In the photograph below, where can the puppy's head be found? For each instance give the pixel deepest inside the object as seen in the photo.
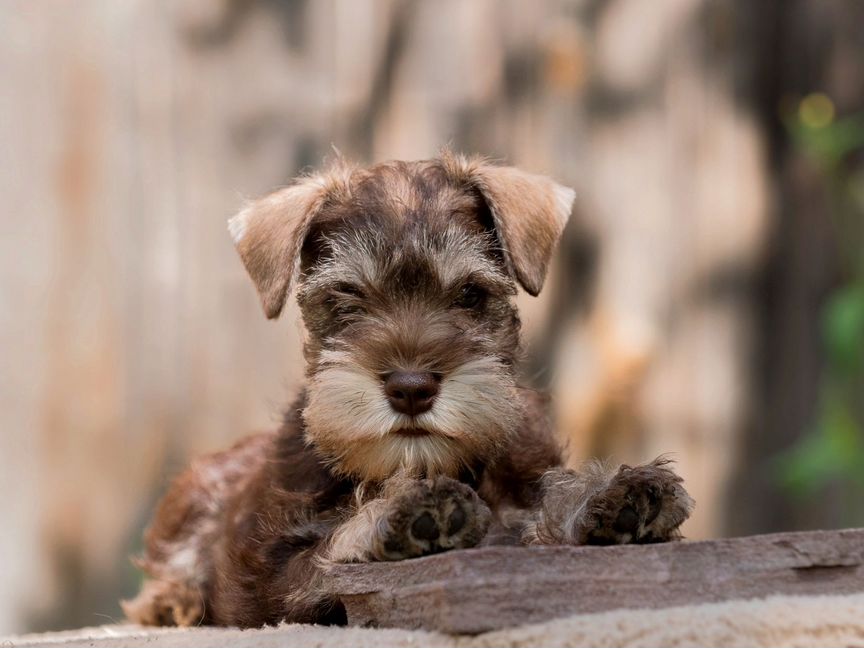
(406, 273)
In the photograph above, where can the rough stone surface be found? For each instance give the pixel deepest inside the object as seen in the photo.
(776, 622)
(691, 594)
(478, 590)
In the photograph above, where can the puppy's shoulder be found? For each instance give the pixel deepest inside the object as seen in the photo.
(532, 450)
(295, 466)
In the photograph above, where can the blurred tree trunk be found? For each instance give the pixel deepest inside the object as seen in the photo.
(675, 189)
(803, 47)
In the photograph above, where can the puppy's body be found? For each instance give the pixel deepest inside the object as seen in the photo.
(412, 435)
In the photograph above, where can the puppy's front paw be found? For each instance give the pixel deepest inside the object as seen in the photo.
(639, 505)
(431, 515)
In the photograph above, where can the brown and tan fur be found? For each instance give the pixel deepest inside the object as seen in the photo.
(401, 267)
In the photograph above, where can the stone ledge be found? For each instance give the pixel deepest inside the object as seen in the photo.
(776, 622)
(681, 594)
(478, 590)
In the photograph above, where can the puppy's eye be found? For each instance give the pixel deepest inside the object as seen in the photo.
(346, 299)
(348, 290)
(471, 296)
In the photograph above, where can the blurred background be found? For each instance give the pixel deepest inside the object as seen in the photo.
(708, 298)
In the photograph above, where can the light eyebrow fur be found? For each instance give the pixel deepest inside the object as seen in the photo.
(364, 258)
(459, 256)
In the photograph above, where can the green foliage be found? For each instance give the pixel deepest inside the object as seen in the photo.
(832, 143)
(832, 451)
(843, 329)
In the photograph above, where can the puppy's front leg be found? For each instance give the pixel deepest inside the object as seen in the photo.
(601, 505)
(410, 518)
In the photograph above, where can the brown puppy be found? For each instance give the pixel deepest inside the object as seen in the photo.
(412, 435)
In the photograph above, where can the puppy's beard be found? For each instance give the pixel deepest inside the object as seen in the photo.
(350, 422)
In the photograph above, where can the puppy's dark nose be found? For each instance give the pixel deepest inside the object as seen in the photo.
(411, 392)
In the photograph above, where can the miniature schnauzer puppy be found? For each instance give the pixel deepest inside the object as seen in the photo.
(412, 435)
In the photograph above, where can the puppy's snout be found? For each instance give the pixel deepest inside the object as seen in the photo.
(411, 392)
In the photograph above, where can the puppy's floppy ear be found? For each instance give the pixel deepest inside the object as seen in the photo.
(529, 213)
(269, 233)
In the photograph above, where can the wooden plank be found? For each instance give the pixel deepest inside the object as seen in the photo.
(477, 590)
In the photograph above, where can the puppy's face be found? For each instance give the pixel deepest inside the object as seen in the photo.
(412, 333)
(406, 281)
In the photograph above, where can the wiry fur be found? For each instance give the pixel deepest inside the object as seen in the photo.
(599, 504)
(477, 396)
(371, 533)
(401, 267)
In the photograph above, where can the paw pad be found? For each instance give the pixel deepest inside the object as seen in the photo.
(433, 515)
(644, 504)
(456, 520)
(627, 520)
(425, 527)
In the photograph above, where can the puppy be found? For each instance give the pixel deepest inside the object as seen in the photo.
(412, 435)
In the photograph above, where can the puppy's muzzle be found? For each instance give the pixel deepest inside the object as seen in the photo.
(411, 392)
